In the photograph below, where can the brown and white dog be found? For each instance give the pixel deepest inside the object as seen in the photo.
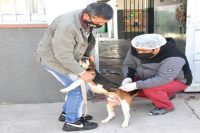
(115, 97)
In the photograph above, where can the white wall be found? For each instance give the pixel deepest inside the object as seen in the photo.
(193, 42)
(112, 24)
(55, 8)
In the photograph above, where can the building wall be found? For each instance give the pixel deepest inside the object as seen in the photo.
(167, 2)
(167, 16)
(55, 8)
(23, 80)
(36, 11)
(22, 11)
(193, 42)
(167, 22)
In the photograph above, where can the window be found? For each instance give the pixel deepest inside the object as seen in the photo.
(22, 11)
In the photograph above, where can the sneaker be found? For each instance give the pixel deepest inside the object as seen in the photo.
(160, 111)
(62, 117)
(86, 118)
(79, 125)
(83, 118)
(153, 105)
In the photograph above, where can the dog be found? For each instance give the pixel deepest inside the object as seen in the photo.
(90, 66)
(115, 96)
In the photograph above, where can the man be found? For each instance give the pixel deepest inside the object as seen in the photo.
(67, 40)
(158, 69)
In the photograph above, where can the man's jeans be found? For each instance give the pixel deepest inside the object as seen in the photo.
(74, 99)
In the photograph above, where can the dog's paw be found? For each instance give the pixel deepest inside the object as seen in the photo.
(105, 121)
(124, 124)
(63, 90)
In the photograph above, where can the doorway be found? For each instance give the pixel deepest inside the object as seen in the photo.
(135, 17)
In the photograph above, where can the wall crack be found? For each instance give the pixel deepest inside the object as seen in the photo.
(193, 110)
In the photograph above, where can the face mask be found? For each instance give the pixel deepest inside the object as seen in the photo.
(144, 56)
(93, 25)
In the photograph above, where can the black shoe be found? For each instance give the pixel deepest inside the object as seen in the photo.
(153, 105)
(62, 117)
(86, 118)
(79, 125)
(83, 118)
(160, 111)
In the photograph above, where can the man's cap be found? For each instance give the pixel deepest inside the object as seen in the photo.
(148, 41)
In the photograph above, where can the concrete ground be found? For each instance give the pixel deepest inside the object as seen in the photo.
(43, 118)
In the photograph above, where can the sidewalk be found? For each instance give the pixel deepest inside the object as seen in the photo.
(42, 118)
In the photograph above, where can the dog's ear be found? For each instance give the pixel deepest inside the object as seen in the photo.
(92, 64)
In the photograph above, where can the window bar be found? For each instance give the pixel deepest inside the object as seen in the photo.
(124, 15)
(142, 25)
(125, 18)
(134, 17)
(1, 12)
(147, 9)
(15, 9)
(29, 9)
(130, 17)
(138, 29)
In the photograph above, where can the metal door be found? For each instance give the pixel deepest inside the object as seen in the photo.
(137, 18)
